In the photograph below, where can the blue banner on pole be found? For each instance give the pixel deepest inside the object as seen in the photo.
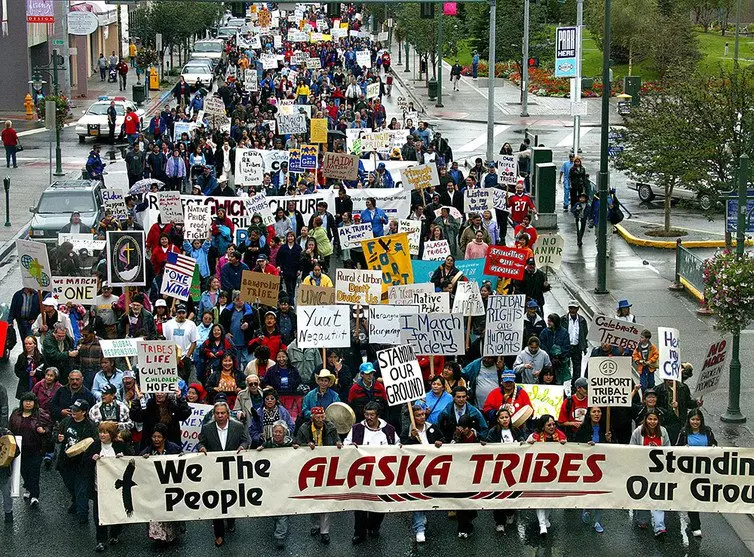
(473, 269)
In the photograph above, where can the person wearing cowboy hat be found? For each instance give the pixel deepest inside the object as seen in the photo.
(578, 330)
(623, 312)
(323, 395)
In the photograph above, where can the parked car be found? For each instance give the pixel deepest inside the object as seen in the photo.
(647, 192)
(199, 69)
(58, 202)
(93, 123)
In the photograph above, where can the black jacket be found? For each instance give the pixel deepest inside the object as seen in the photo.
(583, 329)
(683, 437)
(330, 435)
(433, 434)
(178, 409)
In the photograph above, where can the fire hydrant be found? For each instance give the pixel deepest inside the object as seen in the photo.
(29, 105)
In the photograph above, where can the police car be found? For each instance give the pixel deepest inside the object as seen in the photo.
(94, 121)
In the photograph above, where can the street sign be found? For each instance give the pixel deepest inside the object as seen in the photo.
(58, 42)
(566, 41)
(731, 218)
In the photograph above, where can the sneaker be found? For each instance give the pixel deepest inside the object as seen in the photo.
(598, 528)
(696, 533)
(420, 537)
(542, 530)
(500, 528)
(660, 533)
(99, 548)
(585, 517)
(463, 535)
(547, 522)
(325, 538)
(27, 495)
(34, 503)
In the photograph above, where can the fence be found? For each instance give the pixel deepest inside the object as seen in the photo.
(689, 274)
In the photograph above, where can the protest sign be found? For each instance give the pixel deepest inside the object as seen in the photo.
(364, 58)
(351, 236)
(340, 166)
(375, 141)
(608, 330)
(264, 18)
(170, 206)
(115, 200)
(610, 381)
(436, 250)
(499, 199)
(179, 128)
(269, 61)
(468, 299)
(670, 354)
(402, 103)
(413, 229)
(545, 399)
(81, 241)
(390, 255)
(504, 331)
(411, 115)
(309, 157)
(422, 295)
(373, 90)
(258, 204)
(507, 170)
(358, 286)
(434, 334)
(323, 326)
(119, 347)
(385, 322)
(713, 368)
(318, 133)
(294, 160)
(273, 159)
(401, 375)
(420, 176)
(505, 262)
(197, 221)
(76, 290)
(177, 277)
(191, 427)
(158, 366)
(477, 200)
(214, 106)
(260, 288)
(548, 251)
(472, 269)
(313, 63)
(126, 260)
(249, 169)
(312, 295)
(250, 81)
(36, 272)
(291, 123)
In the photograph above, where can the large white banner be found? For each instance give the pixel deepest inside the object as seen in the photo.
(456, 477)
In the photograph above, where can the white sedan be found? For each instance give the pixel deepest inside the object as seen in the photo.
(94, 121)
(198, 70)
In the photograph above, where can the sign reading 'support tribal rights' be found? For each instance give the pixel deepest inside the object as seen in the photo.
(380, 479)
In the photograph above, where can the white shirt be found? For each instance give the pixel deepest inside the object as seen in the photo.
(486, 382)
(371, 436)
(573, 330)
(423, 433)
(459, 413)
(107, 450)
(183, 334)
(222, 433)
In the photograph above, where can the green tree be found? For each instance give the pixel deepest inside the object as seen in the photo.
(631, 22)
(673, 47)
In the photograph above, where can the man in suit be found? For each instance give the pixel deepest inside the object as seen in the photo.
(223, 434)
(453, 197)
(577, 329)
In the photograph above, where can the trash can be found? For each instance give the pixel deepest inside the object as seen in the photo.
(632, 86)
(432, 89)
(138, 94)
(586, 83)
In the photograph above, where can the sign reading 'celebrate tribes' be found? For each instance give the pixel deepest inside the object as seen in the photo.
(608, 330)
(610, 382)
(289, 482)
(401, 375)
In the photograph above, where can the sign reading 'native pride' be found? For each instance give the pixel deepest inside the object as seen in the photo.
(610, 381)
(422, 295)
(504, 331)
(401, 375)
(197, 222)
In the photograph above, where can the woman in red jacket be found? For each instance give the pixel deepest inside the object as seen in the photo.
(160, 253)
(10, 141)
(269, 336)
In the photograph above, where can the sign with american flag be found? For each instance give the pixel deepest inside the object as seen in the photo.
(176, 280)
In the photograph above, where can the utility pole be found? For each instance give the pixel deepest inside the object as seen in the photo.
(576, 92)
(733, 413)
(120, 32)
(604, 175)
(491, 85)
(407, 45)
(439, 57)
(525, 66)
(58, 154)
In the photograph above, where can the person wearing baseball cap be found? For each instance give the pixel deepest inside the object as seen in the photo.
(111, 410)
(574, 409)
(76, 475)
(263, 265)
(366, 389)
(185, 334)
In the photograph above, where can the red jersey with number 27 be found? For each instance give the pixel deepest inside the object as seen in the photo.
(519, 205)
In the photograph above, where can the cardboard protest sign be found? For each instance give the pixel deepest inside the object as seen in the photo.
(119, 347)
(548, 251)
(258, 204)
(545, 399)
(197, 221)
(351, 236)
(364, 58)
(76, 290)
(115, 200)
(413, 229)
(436, 250)
(309, 157)
(468, 299)
(177, 277)
(385, 322)
(422, 295)
(323, 326)
(126, 260)
(249, 169)
(340, 166)
(250, 81)
(505, 262)
(477, 200)
(670, 354)
(291, 123)
(401, 375)
(609, 330)
(507, 170)
(390, 255)
(434, 333)
(420, 176)
(358, 286)
(158, 365)
(504, 331)
(294, 160)
(373, 90)
(318, 132)
(36, 272)
(312, 295)
(713, 368)
(191, 427)
(610, 381)
(170, 206)
(214, 106)
(81, 241)
(260, 288)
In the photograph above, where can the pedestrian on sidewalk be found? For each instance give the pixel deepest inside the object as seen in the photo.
(578, 330)
(122, 68)
(112, 116)
(102, 65)
(455, 75)
(475, 65)
(581, 212)
(646, 357)
(565, 179)
(10, 142)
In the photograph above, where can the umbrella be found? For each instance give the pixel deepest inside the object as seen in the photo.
(336, 133)
(143, 186)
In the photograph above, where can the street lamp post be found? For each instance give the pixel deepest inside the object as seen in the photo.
(604, 175)
(52, 69)
(407, 45)
(733, 413)
(439, 57)
(491, 84)
(525, 65)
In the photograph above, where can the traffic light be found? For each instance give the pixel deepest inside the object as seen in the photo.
(427, 10)
(533, 62)
(333, 11)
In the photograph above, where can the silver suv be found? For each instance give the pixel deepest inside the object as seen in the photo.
(59, 201)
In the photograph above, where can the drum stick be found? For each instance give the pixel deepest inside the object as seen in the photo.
(468, 333)
(607, 421)
(411, 416)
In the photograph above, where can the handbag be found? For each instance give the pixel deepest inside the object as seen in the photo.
(615, 216)
(19, 147)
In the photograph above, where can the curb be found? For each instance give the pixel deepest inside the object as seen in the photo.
(408, 90)
(668, 244)
(10, 245)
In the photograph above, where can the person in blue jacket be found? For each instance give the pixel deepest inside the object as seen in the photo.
(450, 416)
(199, 250)
(377, 217)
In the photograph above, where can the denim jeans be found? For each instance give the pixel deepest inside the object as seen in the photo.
(281, 527)
(10, 154)
(418, 521)
(77, 484)
(5, 490)
(658, 517)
